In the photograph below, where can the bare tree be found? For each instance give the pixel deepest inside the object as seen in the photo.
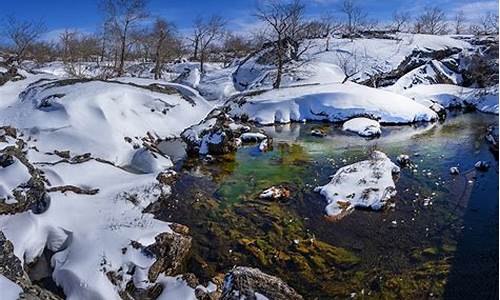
(163, 35)
(432, 21)
(489, 23)
(459, 22)
(355, 17)
(123, 16)
(348, 62)
(22, 34)
(284, 21)
(206, 32)
(400, 20)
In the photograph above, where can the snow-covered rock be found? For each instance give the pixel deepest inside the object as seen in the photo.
(363, 126)
(482, 165)
(454, 171)
(218, 133)
(447, 95)
(367, 184)
(252, 137)
(330, 102)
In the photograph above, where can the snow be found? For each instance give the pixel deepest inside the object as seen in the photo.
(11, 177)
(447, 95)
(331, 102)
(89, 232)
(97, 116)
(9, 290)
(363, 126)
(252, 137)
(367, 184)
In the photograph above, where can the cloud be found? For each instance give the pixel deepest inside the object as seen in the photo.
(475, 10)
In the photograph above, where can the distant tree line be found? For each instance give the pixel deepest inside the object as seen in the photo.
(129, 32)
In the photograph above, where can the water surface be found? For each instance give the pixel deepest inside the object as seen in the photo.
(439, 238)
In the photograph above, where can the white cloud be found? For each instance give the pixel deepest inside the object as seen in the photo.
(473, 11)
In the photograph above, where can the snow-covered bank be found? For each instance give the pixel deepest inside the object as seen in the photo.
(367, 183)
(330, 102)
(447, 95)
(108, 120)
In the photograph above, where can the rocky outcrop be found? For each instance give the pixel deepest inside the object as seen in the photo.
(251, 283)
(416, 59)
(170, 250)
(27, 195)
(217, 134)
(11, 268)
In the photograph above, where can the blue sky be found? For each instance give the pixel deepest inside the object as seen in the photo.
(84, 15)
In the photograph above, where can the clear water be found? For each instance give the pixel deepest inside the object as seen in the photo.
(439, 241)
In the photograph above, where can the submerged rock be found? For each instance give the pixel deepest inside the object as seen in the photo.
(404, 160)
(367, 184)
(482, 166)
(318, 133)
(275, 193)
(253, 284)
(363, 126)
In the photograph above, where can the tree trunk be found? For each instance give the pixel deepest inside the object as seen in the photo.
(279, 72)
(202, 61)
(158, 62)
(122, 56)
(195, 54)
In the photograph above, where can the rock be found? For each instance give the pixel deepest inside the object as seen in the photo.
(250, 137)
(265, 145)
(63, 154)
(167, 177)
(217, 134)
(170, 251)
(404, 160)
(318, 133)
(190, 77)
(145, 161)
(6, 160)
(366, 184)
(454, 171)
(275, 193)
(363, 126)
(252, 284)
(482, 166)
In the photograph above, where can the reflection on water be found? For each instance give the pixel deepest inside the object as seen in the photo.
(408, 251)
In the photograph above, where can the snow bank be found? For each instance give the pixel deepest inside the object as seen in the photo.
(367, 183)
(330, 102)
(447, 95)
(9, 290)
(98, 117)
(91, 235)
(11, 177)
(363, 126)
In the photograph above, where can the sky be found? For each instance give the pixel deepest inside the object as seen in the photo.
(85, 16)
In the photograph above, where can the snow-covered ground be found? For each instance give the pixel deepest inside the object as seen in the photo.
(95, 144)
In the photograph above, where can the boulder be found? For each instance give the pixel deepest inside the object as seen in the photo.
(251, 284)
(170, 251)
(217, 134)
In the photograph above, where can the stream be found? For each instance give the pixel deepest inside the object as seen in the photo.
(438, 237)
